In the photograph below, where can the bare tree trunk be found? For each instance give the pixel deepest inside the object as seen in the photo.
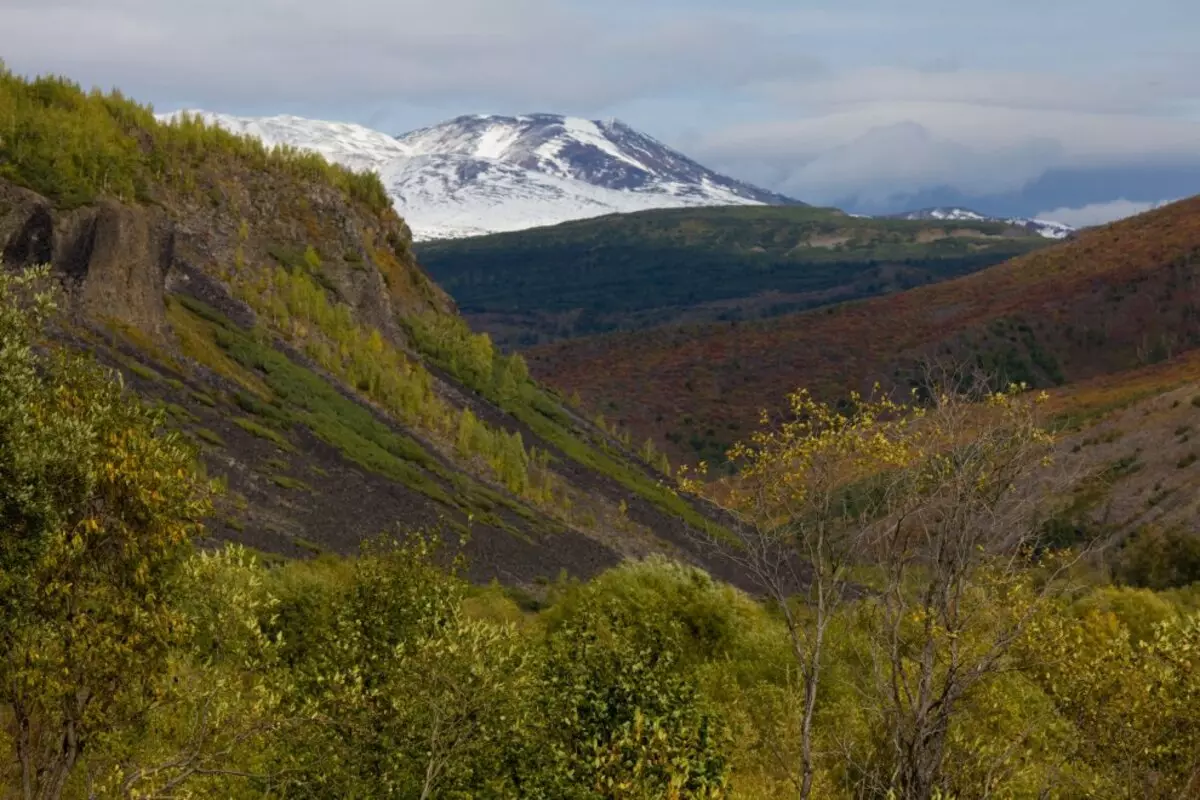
(66, 758)
(812, 676)
(431, 768)
(24, 753)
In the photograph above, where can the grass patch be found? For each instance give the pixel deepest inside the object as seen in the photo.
(204, 434)
(307, 398)
(288, 482)
(310, 546)
(252, 405)
(195, 325)
(204, 399)
(291, 394)
(142, 371)
(180, 413)
(263, 432)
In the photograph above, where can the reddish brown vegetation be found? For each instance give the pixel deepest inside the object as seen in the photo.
(1117, 298)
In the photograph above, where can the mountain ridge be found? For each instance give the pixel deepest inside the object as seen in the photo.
(479, 174)
(1042, 227)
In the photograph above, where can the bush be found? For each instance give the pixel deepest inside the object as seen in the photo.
(1158, 559)
(75, 146)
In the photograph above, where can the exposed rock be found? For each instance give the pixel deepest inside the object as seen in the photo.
(113, 258)
(120, 255)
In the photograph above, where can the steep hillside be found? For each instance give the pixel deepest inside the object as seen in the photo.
(273, 303)
(484, 173)
(1115, 298)
(633, 271)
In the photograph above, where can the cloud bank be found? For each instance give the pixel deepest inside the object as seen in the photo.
(1100, 213)
(865, 99)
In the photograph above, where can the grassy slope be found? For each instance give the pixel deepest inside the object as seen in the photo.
(1117, 298)
(288, 285)
(638, 270)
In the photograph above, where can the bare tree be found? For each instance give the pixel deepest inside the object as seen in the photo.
(957, 556)
(805, 490)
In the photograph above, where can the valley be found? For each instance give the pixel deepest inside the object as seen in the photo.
(525, 457)
(1115, 298)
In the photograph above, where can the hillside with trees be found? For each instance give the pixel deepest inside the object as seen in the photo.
(912, 632)
(689, 266)
(272, 303)
(274, 523)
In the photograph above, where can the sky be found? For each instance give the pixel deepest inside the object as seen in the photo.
(1079, 110)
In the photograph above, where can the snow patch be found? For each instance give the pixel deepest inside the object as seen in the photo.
(487, 173)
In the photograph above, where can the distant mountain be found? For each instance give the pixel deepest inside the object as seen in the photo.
(484, 174)
(693, 265)
(1042, 227)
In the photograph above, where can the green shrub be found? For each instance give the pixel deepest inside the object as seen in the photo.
(75, 146)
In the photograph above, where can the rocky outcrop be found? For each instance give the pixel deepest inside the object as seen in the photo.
(113, 258)
(117, 260)
(122, 255)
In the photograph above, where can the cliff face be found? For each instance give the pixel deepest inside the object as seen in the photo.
(117, 259)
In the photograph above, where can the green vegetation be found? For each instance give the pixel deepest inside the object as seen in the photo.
(658, 267)
(209, 436)
(288, 482)
(254, 429)
(504, 379)
(298, 306)
(74, 146)
(306, 398)
(133, 665)
(96, 513)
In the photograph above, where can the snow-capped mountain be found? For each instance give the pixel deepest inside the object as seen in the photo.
(485, 173)
(1042, 227)
(607, 154)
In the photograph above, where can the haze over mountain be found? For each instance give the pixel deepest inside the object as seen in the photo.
(486, 173)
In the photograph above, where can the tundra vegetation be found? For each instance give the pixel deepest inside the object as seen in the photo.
(914, 635)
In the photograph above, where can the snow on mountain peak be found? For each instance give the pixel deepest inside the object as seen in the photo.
(485, 173)
(354, 146)
(1042, 227)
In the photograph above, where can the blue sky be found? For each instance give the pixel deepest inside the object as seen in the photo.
(1082, 108)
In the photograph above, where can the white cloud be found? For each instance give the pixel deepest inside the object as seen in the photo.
(1100, 213)
(820, 103)
(892, 159)
(1116, 93)
(518, 55)
(875, 133)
